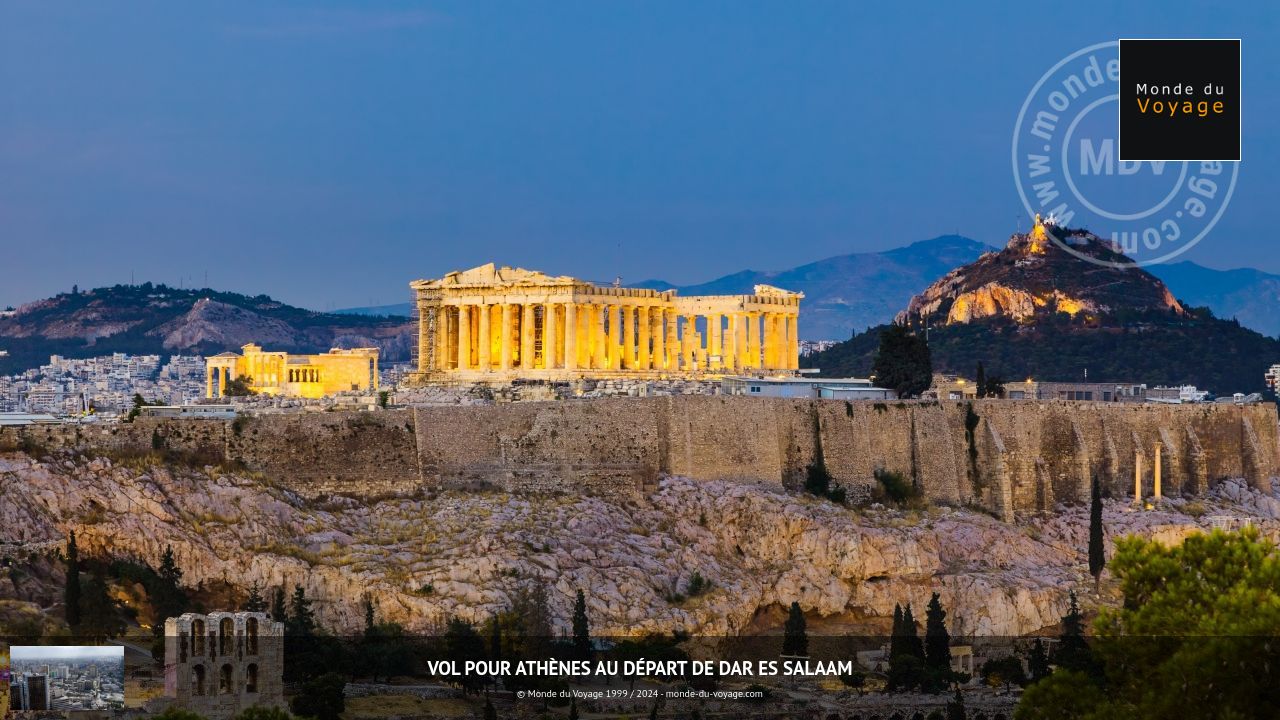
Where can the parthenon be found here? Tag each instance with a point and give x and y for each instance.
(497, 324)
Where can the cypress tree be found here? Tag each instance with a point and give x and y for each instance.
(795, 641)
(895, 639)
(911, 634)
(937, 645)
(581, 629)
(1097, 554)
(489, 712)
(302, 620)
(1038, 662)
(981, 381)
(278, 612)
(573, 709)
(71, 596)
(368, 615)
(255, 602)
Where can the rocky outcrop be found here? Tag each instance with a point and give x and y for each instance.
(1035, 275)
(428, 557)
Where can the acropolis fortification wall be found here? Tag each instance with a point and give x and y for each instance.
(1009, 456)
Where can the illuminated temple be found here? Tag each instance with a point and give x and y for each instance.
(501, 324)
(280, 373)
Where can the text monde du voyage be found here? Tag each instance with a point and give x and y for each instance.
(1179, 99)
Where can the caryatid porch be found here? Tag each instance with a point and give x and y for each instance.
(501, 324)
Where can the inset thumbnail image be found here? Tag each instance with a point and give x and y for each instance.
(66, 677)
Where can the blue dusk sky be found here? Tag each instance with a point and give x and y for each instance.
(328, 153)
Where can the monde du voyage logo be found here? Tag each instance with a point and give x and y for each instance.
(1134, 140)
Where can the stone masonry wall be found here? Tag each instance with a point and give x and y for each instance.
(1009, 456)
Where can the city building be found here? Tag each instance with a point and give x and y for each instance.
(952, 387)
(1177, 395)
(30, 692)
(220, 664)
(801, 387)
(1273, 378)
(282, 373)
(492, 324)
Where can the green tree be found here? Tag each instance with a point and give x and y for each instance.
(1193, 638)
(71, 595)
(1004, 671)
(464, 644)
(573, 709)
(490, 713)
(980, 381)
(301, 620)
(255, 602)
(581, 629)
(99, 619)
(937, 646)
(955, 708)
(906, 654)
(795, 639)
(240, 386)
(903, 363)
(1038, 662)
(278, 611)
(321, 698)
(1097, 551)
(1073, 652)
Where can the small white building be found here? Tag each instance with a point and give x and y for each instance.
(1273, 378)
(21, 418)
(792, 387)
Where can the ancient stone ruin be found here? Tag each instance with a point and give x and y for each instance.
(219, 664)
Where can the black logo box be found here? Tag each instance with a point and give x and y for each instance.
(1184, 64)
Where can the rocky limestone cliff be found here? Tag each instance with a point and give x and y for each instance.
(431, 556)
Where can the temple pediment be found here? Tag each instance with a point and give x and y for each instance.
(490, 275)
(771, 291)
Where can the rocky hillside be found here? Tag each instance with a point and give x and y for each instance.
(1033, 309)
(1034, 278)
(465, 554)
(155, 319)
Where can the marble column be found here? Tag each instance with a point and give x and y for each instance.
(658, 329)
(550, 339)
(505, 338)
(715, 344)
(485, 344)
(424, 320)
(753, 340)
(688, 343)
(614, 360)
(729, 348)
(673, 340)
(769, 339)
(628, 337)
(570, 336)
(642, 342)
(444, 338)
(464, 337)
(599, 340)
(208, 381)
(527, 341)
(793, 341)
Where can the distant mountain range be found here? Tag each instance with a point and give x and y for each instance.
(849, 293)
(155, 319)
